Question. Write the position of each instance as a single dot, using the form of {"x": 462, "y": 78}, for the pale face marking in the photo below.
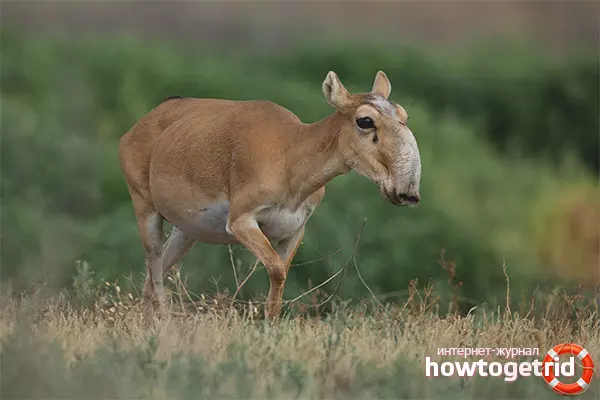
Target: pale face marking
{"x": 383, "y": 106}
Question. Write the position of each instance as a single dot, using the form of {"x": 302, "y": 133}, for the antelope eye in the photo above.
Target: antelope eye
{"x": 365, "y": 123}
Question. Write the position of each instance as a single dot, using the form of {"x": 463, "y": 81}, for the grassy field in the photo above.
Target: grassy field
{"x": 61, "y": 347}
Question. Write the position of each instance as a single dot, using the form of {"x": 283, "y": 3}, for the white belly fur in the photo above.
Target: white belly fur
{"x": 280, "y": 223}
{"x": 209, "y": 224}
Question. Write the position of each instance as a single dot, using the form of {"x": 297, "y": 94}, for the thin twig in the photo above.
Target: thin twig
{"x": 215, "y": 282}
{"x": 335, "y": 291}
{"x": 237, "y": 284}
{"x": 178, "y": 276}
{"x": 356, "y": 265}
{"x": 507, "y": 287}
{"x": 133, "y": 285}
{"x": 316, "y": 260}
{"x": 239, "y": 287}
{"x": 341, "y": 271}
{"x": 315, "y": 288}
{"x": 38, "y": 283}
{"x": 365, "y": 283}
{"x": 177, "y": 281}
{"x": 330, "y": 255}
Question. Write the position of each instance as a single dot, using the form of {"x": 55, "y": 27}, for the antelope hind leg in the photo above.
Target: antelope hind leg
{"x": 150, "y": 226}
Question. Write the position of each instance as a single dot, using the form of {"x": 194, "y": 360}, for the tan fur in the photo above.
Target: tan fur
{"x": 251, "y": 172}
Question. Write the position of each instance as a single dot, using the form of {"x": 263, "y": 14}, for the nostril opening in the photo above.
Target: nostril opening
{"x": 408, "y": 198}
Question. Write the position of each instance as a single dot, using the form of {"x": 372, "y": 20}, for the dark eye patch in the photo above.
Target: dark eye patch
{"x": 365, "y": 123}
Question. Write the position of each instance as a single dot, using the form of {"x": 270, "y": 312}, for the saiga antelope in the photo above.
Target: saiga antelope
{"x": 251, "y": 173}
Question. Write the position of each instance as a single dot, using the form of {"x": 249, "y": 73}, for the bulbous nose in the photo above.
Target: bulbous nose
{"x": 408, "y": 198}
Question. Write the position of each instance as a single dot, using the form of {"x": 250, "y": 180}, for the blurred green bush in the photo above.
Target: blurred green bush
{"x": 65, "y": 103}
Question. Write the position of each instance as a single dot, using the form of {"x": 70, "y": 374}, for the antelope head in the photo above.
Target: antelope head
{"x": 374, "y": 138}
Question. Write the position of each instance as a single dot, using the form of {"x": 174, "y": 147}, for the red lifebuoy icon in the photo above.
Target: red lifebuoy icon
{"x": 568, "y": 388}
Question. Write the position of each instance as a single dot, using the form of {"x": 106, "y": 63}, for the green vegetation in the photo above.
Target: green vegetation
{"x": 508, "y": 136}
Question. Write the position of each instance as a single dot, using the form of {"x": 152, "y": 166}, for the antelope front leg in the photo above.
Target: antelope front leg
{"x": 246, "y": 230}
{"x": 287, "y": 248}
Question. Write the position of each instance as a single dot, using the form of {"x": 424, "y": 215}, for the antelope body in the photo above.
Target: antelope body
{"x": 251, "y": 173}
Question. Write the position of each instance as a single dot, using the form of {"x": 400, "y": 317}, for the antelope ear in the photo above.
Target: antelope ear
{"x": 335, "y": 93}
{"x": 382, "y": 85}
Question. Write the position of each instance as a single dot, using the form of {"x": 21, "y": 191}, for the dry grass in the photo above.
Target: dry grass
{"x": 55, "y": 349}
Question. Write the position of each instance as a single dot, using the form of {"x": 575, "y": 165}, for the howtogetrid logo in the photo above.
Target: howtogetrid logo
{"x": 551, "y": 365}
{"x": 551, "y": 368}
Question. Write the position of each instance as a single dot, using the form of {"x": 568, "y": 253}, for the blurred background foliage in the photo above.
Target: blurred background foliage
{"x": 508, "y": 134}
